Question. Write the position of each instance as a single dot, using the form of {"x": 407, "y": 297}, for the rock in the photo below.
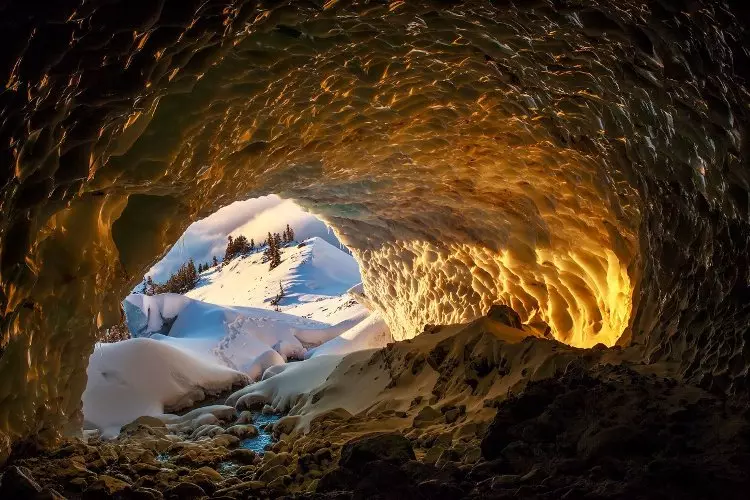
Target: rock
{"x": 323, "y": 455}
{"x": 244, "y": 487}
{"x": 452, "y": 415}
{"x": 610, "y": 440}
{"x": 144, "y": 421}
{"x": 433, "y": 454}
{"x": 211, "y": 473}
{"x": 208, "y": 430}
{"x": 332, "y": 415}
{"x": 106, "y": 487}
{"x": 427, "y": 416}
{"x": 268, "y": 410}
{"x": 185, "y": 491}
{"x": 272, "y": 459}
{"x": 243, "y": 456}
{"x": 49, "y": 494}
{"x": 505, "y": 315}
{"x": 472, "y": 455}
{"x": 285, "y": 425}
{"x": 146, "y": 469}
{"x": 252, "y": 402}
{"x": 306, "y": 462}
{"x": 272, "y": 473}
{"x": 505, "y": 481}
{"x": 245, "y": 417}
{"x": 280, "y": 483}
{"x": 17, "y": 482}
{"x": 358, "y": 452}
{"x": 225, "y": 441}
{"x": 146, "y": 494}
{"x": 449, "y": 455}
{"x": 242, "y": 431}
{"x": 77, "y": 484}
{"x": 205, "y": 419}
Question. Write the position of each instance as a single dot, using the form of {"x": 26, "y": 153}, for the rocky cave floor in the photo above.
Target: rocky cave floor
{"x": 593, "y": 428}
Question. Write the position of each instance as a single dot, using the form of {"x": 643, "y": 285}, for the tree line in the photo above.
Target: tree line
{"x": 186, "y": 277}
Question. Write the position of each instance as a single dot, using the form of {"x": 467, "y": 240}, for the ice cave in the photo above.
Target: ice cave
{"x": 547, "y": 200}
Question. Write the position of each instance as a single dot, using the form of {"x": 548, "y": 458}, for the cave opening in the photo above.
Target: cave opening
{"x": 256, "y": 285}
{"x": 582, "y": 162}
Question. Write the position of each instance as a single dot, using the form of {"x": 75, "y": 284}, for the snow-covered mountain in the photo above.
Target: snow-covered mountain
{"x": 314, "y": 275}
{"x": 233, "y": 330}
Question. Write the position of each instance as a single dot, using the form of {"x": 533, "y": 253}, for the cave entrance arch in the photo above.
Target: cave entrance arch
{"x": 549, "y": 158}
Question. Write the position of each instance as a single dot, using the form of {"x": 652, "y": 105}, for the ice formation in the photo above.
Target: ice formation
{"x": 583, "y": 162}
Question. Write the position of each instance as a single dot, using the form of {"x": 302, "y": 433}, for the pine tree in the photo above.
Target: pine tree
{"x": 268, "y": 251}
{"x": 241, "y": 245}
{"x": 276, "y": 251}
{"x": 277, "y": 299}
{"x": 190, "y": 277}
{"x": 288, "y": 234}
{"x": 229, "y": 252}
{"x": 216, "y": 261}
{"x": 252, "y": 245}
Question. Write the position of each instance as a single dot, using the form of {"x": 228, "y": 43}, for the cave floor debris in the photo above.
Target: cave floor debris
{"x": 463, "y": 413}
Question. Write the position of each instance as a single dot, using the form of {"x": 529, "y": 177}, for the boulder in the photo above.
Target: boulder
{"x": 106, "y": 487}
{"x": 246, "y": 417}
{"x": 504, "y": 315}
{"x": 391, "y": 447}
{"x": 273, "y": 473}
{"x": 243, "y": 456}
{"x": 427, "y": 416}
{"x": 252, "y": 402}
{"x": 49, "y": 494}
{"x": 145, "y": 420}
{"x": 185, "y": 491}
{"x": 242, "y": 431}
{"x": 225, "y": 440}
{"x": 17, "y": 482}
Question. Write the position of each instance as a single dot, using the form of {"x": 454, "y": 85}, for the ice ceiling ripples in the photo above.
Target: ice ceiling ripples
{"x": 579, "y": 161}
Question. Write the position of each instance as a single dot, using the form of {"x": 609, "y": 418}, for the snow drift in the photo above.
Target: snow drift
{"x": 144, "y": 377}
{"x": 185, "y": 348}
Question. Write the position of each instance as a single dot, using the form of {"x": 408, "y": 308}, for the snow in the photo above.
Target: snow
{"x": 315, "y": 278}
{"x": 253, "y": 218}
{"x": 226, "y": 332}
{"x": 143, "y": 377}
{"x": 370, "y": 333}
{"x": 283, "y": 388}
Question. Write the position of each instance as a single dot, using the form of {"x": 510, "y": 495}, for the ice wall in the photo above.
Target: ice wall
{"x": 583, "y": 162}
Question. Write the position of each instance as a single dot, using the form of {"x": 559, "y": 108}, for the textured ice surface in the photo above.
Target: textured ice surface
{"x": 583, "y": 162}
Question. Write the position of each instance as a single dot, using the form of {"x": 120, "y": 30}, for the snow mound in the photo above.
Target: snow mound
{"x": 144, "y": 377}
{"x": 370, "y": 333}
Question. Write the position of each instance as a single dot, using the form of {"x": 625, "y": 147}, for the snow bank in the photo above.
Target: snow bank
{"x": 143, "y": 377}
{"x": 246, "y": 339}
{"x": 282, "y": 389}
{"x": 149, "y": 314}
{"x": 370, "y": 333}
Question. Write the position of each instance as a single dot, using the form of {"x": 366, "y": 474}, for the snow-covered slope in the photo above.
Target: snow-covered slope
{"x": 228, "y": 324}
{"x": 314, "y": 274}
